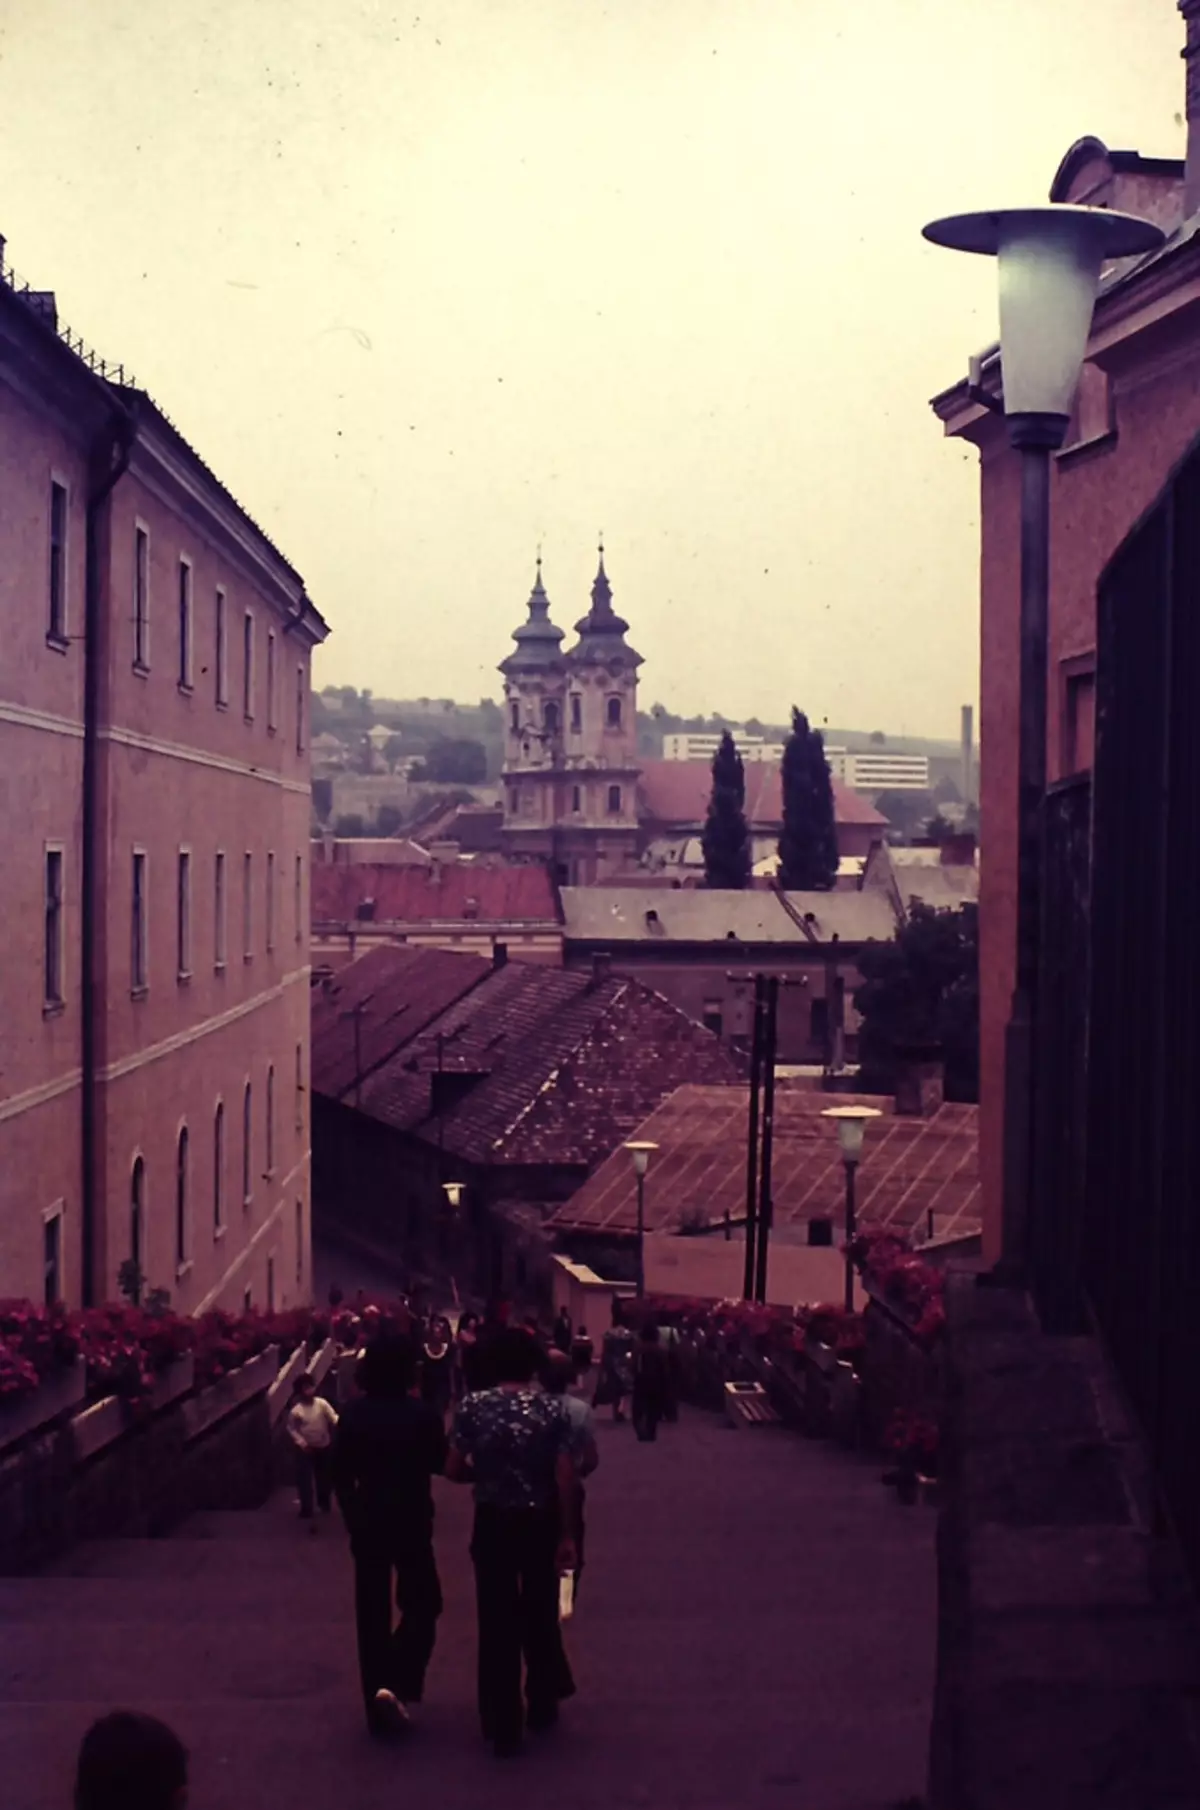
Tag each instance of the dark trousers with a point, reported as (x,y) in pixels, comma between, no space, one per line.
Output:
(395,1659)
(516,1593)
(314,1478)
(647,1412)
(580,1530)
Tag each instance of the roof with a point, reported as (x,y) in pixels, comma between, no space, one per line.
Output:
(393,992)
(677,792)
(446,893)
(538,639)
(567,1067)
(910,1166)
(1124,163)
(631,914)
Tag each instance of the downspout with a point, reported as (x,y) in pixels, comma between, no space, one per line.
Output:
(111,458)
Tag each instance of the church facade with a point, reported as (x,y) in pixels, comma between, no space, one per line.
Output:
(571,763)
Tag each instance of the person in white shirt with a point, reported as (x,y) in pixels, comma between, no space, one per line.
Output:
(310,1425)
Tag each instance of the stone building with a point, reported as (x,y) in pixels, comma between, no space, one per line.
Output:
(155,797)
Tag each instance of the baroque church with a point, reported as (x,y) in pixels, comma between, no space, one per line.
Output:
(571,764)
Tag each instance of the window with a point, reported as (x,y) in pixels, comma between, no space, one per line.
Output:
(713,1016)
(247,1145)
(185,625)
(301,703)
(248,666)
(271,1120)
(270,900)
(247,907)
(219,910)
(181,1199)
(221,656)
(576,712)
(271,712)
(550,717)
(139,964)
(300,1241)
(219,1169)
(137,1225)
(141,600)
(614,800)
(299,1089)
(53,974)
(613,713)
(56,628)
(299,901)
(183,915)
(514,717)
(52,1255)
(576,798)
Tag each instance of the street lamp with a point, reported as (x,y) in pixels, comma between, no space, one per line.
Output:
(1049,262)
(454,1192)
(640,1152)
(851,1122)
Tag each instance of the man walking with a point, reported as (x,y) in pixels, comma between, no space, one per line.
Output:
(516,1445)
(388,1447)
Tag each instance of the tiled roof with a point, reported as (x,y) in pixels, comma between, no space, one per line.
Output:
(394,992)
(413,895)
(632,914)
(910,1166)
(677,792)
(568,1067)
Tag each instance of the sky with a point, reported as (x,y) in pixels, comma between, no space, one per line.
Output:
(430,286)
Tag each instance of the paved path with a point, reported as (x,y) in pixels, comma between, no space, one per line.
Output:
(755,1632)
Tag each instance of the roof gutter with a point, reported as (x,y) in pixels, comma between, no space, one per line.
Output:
(109,462)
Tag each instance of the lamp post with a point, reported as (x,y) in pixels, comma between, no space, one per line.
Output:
(1049,261)
(640,1153)
(851,1122)
(454,1192)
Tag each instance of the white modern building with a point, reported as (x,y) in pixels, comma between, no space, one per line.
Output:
(876,770)
(695,745)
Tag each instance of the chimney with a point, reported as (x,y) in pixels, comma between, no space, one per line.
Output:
(966,783)
(1191,58)
(499,957)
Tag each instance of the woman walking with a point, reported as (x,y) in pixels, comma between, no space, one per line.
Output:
(437,1367)
(616,1364)
(650,1384)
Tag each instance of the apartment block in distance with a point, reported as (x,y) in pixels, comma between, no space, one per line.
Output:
(154,790)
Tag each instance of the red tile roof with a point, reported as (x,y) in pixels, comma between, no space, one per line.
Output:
(397,991)
(453,892)
(676,792)
(910,1166)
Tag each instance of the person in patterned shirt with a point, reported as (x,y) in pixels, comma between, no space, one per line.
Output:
(517,1446)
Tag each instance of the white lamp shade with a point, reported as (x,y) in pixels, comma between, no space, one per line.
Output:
(1049,269)
(641,1153)
(851,1122)
(454,1192)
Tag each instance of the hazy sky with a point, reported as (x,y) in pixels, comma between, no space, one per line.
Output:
(427,285)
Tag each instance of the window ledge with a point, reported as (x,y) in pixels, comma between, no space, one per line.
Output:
(54,1008)
(141,669)
(222,703)
(218,967)
(183,1269)
(184,977)
(139,992)
(248,958)
(185,688)
(218,1233)
(247,716)
(272,729)
(59,644)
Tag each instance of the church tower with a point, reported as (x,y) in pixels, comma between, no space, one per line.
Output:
(570,754)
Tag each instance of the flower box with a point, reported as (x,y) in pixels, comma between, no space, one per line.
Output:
(208,1406)
(54,1396)
(105,1421)
(177,1379)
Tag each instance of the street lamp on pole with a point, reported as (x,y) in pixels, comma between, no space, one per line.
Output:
(454,1192)
(851,1122)
(640,1153)
(1049,261)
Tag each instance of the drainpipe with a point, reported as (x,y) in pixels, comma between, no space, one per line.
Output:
(111,461)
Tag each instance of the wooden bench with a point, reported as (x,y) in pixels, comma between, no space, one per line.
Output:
(746,1404)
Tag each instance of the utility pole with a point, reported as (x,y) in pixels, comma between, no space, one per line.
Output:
(765,1203)
(756,1050)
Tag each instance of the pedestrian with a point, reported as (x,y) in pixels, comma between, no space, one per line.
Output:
(581,1352)
(310,1425)
(437,1366)
(616,1364)
(131,1762)
(649,1383)
(516,1445)
(557,1378)
(389,1446)
(470,1355)
(561,1336)
(672,1342)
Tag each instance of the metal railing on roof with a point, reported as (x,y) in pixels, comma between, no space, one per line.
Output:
(87,355)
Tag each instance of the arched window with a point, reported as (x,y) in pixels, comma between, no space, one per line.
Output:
(613,713)
(218,1166)
(576,712)
(514,716)
(247,1145)
(576,798)
(271,1120)
(550,717)
(137,1225)
(181,1198)
(614,800)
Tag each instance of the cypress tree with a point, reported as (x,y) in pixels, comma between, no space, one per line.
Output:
(808,851)
(726,840)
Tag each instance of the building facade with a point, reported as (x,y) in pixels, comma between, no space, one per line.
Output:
(875,770)
(570,755)
(154,1083)
(698,745)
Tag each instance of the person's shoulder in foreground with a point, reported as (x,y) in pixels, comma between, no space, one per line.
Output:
(131,1762)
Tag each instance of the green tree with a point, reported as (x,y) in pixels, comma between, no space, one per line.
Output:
(393,749)
(906,812)
(921,992)
(350,824)
(388,820)
(726,839)
(878,738)
(456,761)
(808,851)
(938,829)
